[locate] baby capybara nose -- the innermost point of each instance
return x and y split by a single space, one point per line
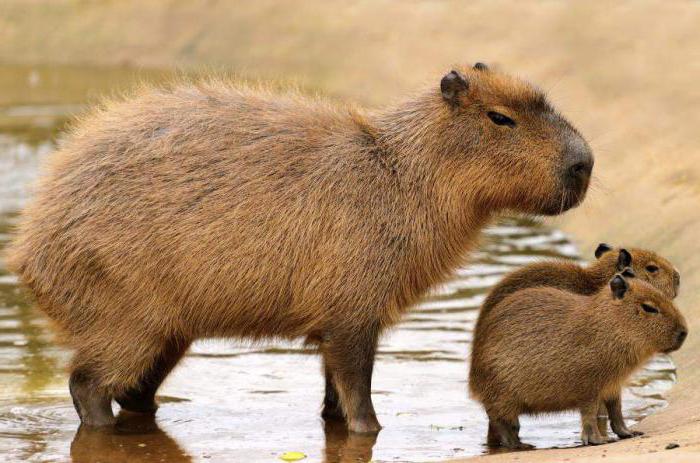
680 337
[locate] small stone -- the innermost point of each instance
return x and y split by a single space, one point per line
672 446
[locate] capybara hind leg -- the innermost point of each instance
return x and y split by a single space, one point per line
590 435
141 398
617 421
93 404
350 360
331 402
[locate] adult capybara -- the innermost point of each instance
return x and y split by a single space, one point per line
544 349
587 280
215 210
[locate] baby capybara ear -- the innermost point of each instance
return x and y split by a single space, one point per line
602 249
481 67
624 259
451 85
619 287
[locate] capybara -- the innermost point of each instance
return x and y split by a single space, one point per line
588 280
545 349
214 209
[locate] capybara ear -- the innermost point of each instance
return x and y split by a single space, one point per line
451 85
628 273
619 287
624 259
602 249
481 67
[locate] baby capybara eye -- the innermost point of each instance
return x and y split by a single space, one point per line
649 309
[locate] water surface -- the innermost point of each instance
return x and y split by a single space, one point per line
229 401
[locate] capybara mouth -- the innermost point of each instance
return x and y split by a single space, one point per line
569 199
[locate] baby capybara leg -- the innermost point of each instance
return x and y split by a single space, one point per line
331 402
590 434
141 397
617 421
92 402
602 419
504 430
350 359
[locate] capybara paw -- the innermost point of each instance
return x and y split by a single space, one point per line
364 425
330 413
523 446
138 405
593 439
626 433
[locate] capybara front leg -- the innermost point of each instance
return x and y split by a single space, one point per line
93 404
506 432
141 398
350 359
331 402
590 434
617 421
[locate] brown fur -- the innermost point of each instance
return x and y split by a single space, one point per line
545 350
217 210
587 280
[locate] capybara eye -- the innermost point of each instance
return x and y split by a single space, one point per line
500 119
652 268
649 309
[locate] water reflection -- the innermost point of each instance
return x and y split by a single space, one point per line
136 438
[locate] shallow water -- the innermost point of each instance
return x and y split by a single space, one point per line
232 402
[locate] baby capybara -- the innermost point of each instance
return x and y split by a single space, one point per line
216 210
544 349
588 280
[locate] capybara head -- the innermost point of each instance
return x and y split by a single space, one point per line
647 265
649 317
531 158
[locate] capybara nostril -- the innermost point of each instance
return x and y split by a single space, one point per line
680 337
580 170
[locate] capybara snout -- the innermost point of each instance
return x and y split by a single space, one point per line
516 123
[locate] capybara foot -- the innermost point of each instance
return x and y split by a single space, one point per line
365 425
505 433
136 403
626 433
591 436
332 412
94 406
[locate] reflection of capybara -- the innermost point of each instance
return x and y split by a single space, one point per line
588 280
544 350
213 210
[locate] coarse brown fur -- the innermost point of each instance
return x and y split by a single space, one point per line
588 280
212 209
544 350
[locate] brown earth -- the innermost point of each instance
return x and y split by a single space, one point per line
625 72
